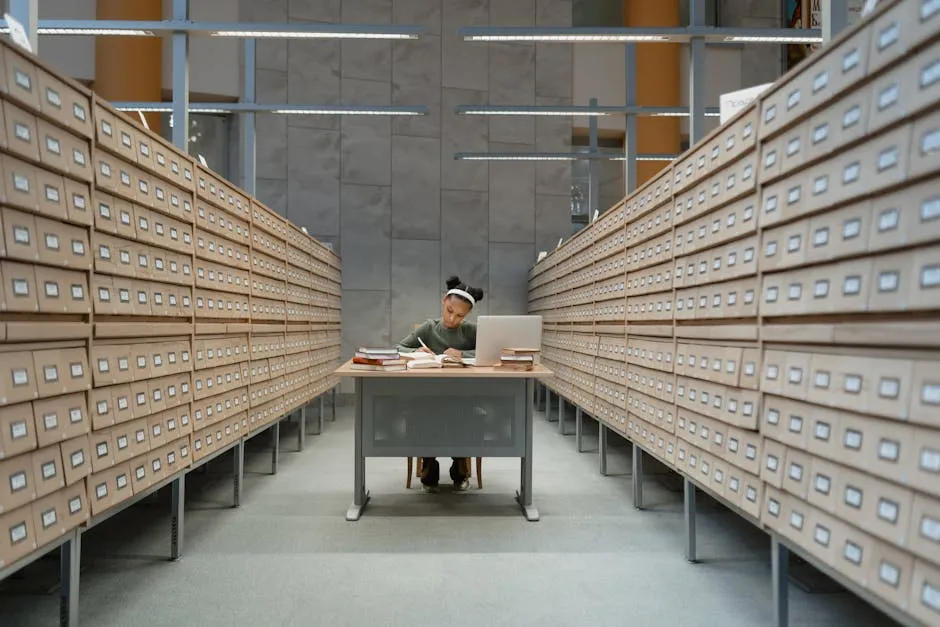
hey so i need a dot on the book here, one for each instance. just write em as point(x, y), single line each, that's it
point(521, 366)
point(521, 351)
point(371, 361)
point(425, 360)
point(373, 368)
point(520, 358)
point(378, 352)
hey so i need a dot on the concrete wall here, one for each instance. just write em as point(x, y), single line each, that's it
point(387, 193)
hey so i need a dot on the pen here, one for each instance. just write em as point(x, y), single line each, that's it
point(426, 346)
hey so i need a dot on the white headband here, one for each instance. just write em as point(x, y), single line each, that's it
point(462, 294)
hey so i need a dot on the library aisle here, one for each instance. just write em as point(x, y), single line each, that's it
point(288, 556)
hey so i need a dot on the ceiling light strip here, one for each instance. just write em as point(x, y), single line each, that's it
point(555, 156)
point(640, 34)
point(298, 30)
point(280, 109)
point(578, 110)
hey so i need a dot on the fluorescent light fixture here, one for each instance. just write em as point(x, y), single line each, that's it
point(684, 114)
point(350, 111)
point(518, 156)
point(545, 110)
point(555, 156)
point(569, 34)
point(96, 31)
point(570, 38)
point(298, 30)
point(257, 34)
point(578, 110)
point(675, 34)
point(787, 39)
point(649, 157)
point(310, 30)
point(281, 109)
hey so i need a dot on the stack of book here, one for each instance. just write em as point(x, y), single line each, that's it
point(518, 359)
point(378, 359)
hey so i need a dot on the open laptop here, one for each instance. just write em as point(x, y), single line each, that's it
point(494, 333)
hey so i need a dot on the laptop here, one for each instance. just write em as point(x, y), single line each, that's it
point(494, 333)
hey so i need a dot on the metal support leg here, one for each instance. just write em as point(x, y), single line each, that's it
point(579, 428)
point(780, 566)
point(70, 555)
point(602, 447)
point(835, 18)
point(548, 405)
point(239, 471)
point(360, 495)
point(637, 477)
point(177, 518)
point(26, 12)
point(562, 407)
point(689, 493)
point(302, 432)
point(319, 421)
point(524, 495)
point(180, 60)
point(275, 454)
point(323, 404)
point(333, 393)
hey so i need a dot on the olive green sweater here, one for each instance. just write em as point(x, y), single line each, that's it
point(439, 338)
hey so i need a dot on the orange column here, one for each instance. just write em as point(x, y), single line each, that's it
point(657, 82)
point(130, 68)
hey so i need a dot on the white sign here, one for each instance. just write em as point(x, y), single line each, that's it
point(734, 101)
point(542, 255)
point(202, 160)
point(560, 240)
point(143, 119)
point(596, 213)
point(17, 32)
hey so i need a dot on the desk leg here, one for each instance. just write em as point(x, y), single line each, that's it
point(70, 555)
point(302, 432)
point(524, 495)
point(333, 403)
point(602, 447)
point(360, 495)
point(562, 410)
point(579, 428)
point(780, 563)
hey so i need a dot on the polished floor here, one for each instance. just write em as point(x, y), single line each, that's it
point(288, 557)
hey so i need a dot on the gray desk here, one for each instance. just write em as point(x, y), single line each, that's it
point(444, 412)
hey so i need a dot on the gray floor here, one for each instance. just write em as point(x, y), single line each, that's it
point(288, 557)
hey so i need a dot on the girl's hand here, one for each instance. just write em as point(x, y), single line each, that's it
point(424, 349)
point(453, 352)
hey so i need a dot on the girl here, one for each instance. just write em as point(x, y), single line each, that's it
point(449, 335)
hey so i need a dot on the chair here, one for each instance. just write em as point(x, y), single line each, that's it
point(417, 471)
point(417, 467)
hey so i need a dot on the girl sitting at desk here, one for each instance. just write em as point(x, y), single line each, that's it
point(449, 335)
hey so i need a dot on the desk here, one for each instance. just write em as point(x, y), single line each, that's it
point(444, 412)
